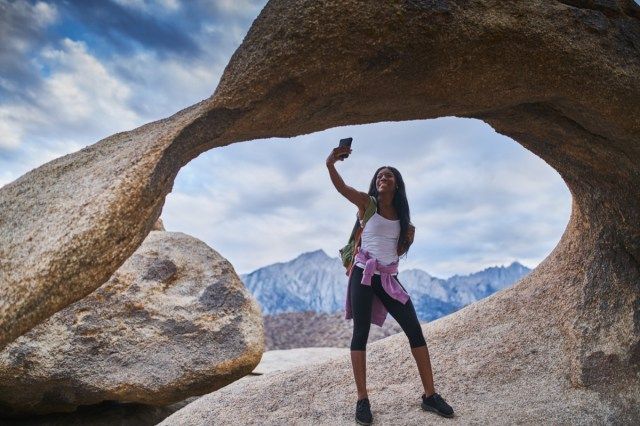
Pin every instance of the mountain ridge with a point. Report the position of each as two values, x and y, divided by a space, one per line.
314 281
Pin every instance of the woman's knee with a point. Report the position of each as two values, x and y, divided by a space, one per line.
360 336
413 330
416 336
359 342
358 345
417 340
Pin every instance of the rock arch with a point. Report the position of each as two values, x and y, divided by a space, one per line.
562 78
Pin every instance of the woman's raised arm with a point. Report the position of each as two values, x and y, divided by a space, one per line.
360 199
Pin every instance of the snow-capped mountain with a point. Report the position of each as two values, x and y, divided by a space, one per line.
316 282
311 282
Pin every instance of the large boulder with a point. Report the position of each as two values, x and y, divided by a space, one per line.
174 321
562 78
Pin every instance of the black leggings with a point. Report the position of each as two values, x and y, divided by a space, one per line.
361 305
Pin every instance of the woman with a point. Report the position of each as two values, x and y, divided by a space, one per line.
373 279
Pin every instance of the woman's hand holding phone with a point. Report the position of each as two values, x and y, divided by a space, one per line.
338 154
341 152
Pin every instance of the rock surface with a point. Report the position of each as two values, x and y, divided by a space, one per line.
104 414
108 414
481 366
173 322
286 359
562 78
158 226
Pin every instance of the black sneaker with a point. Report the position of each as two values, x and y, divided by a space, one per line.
436 404
363 412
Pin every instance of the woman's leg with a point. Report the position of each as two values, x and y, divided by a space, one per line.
421 355
408 320
361 299
359 364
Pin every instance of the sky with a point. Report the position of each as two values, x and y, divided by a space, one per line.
74 72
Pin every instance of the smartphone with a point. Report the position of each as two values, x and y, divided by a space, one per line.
345 142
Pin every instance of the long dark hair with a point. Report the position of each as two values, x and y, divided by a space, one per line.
399 202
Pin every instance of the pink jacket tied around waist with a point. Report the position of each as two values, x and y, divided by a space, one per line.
389 284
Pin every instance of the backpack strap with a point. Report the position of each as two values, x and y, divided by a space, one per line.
372 207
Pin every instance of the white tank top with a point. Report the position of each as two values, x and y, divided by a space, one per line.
380 239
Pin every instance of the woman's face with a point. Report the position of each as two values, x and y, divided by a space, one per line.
385 181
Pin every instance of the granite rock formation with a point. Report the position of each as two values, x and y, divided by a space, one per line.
276 361
480 365
562 78
172 322
158 226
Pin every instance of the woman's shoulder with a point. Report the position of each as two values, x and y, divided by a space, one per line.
367 210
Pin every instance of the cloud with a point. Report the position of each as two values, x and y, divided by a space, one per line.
163 87
79 101
10 135
69 93
477 198
22 26
150 6
242 7
129 26
80 89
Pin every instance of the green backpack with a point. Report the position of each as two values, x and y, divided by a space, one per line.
347 253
